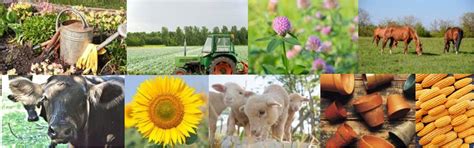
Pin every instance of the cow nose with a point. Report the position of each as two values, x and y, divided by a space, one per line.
64 132
32 118
12 98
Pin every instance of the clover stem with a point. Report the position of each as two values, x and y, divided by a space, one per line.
285 60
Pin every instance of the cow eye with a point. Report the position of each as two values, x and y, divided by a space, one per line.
241 93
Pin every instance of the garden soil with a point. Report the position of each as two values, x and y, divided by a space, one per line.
15 56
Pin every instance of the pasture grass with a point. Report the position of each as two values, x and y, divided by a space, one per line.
159 60
108 4
433 59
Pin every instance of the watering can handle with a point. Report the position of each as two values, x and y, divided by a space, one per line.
84 22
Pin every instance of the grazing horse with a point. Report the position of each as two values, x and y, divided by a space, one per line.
405 34
454 35
378 35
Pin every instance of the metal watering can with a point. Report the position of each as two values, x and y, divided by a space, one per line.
74 34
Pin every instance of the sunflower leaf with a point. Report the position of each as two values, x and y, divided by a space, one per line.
191 139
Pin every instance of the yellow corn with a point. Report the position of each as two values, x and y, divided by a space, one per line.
417 104
450 136
459 120
439 100
458 107
429 94
443 121
419 126
427 129
450 103
471 105
463 82
418 87
420 77
420 113
469 96
464 145
428 118
448 81
438 131
432 79
461 92
465 125
419 93
438 139
470 113
447 90
436 110
453 144
469 139
458 76
466 133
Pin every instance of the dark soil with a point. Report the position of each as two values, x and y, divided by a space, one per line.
15 56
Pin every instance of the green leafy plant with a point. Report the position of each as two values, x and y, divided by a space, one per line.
35 29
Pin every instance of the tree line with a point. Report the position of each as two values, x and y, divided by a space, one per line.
437 28
195 36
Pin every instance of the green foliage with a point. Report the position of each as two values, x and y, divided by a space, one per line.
36 29
194 36
367 30
433 59
110 4
268 55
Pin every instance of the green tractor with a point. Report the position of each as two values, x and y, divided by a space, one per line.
218 56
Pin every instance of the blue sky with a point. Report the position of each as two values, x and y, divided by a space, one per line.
425 10
151 15
199 83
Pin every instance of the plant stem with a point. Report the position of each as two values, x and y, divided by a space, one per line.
285 60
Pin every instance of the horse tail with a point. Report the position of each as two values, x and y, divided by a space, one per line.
460 36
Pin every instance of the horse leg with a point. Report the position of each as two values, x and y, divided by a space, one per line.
446 45
384 43
407 42
391 45
455 42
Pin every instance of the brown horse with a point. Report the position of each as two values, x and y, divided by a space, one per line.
378 35
454 35
405 34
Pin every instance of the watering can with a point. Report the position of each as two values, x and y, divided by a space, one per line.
73 36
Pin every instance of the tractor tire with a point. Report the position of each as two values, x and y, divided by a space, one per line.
180 71
222 65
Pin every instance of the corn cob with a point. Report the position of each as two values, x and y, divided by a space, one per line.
461 92
458 114
448 81
458 107
463 82
464 145
419 126
447 90
417 104
419 93
466 133
427 129
428 118
459 120
450 103
468 96
420 77
432 79
436 110
453 144
450 136
429 94
418 87
459 76
439 100
471 105
470 113
465 125
469 139
443 121
438 131
438 139
420 113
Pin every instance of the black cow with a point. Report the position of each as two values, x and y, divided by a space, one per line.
84 111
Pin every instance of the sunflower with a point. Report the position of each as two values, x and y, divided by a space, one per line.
166 110
129 122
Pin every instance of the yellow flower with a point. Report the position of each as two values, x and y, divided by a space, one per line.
129 122
166 110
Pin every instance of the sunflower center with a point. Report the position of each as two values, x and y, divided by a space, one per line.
167 112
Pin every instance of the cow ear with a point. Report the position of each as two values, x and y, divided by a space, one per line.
107 94
219 88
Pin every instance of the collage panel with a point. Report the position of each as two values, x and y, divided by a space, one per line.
303 36
187 37
166 111
444 110
61 111
264 111
367 110
62 37
420 37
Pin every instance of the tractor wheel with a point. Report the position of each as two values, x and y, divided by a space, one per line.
222 65
180 71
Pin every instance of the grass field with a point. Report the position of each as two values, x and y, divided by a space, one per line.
433 59
160 59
